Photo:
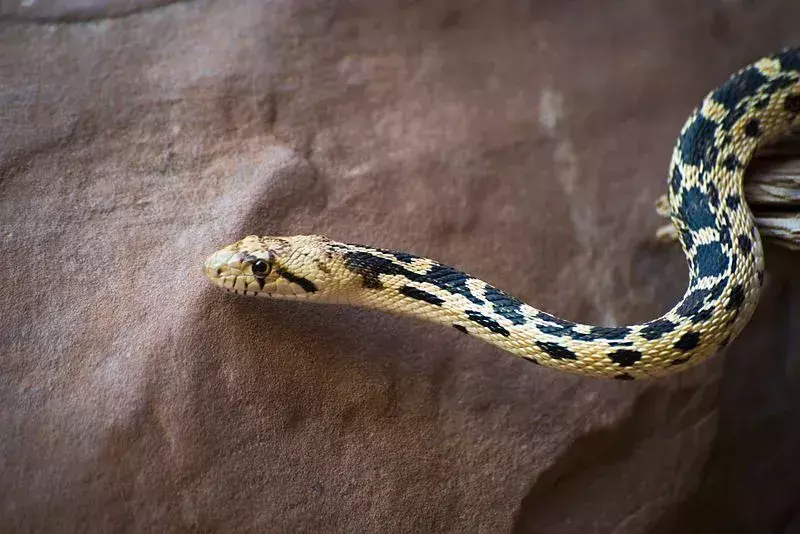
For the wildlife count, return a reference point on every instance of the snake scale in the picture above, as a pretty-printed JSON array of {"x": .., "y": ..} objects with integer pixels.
[{"x": 714, "y": 224}]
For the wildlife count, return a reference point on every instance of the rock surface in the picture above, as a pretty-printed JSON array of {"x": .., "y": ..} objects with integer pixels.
[{"x": 523, "y": 142}]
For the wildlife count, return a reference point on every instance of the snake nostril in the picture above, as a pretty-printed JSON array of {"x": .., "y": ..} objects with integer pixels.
[{"x": 219, "y": 271}]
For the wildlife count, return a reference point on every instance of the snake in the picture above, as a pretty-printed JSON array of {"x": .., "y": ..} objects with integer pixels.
[{"x": 706, "y": 206}]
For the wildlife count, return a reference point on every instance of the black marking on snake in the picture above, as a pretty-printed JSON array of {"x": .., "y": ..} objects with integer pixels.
[
  {"x": 676, "y": 180},
  {"x": 745, "y": 245},
  {"x": 736, "y": 298},
  {"x": 717, "y": 290},
  {"x": 734, "y": 262},
  {"x": 260, "y": 281},
  {"x": 370, "y": 267},
  {"x": 725, "y": 232},
  {"x": 555, "y": 320},
  {"x": 461, "y": 328},
  {"x": 688, "y": 341},
  {"x": 307, "y": 285},
  {"x": 745, "y": 84},
  {"x": 451, "y": 280},
  {"x": 697, "y": 143},
  {"x": 731, "y": 163},
  {"x": 792, "y": 104},
  {"x": 733, "y": 202},
  {"x": 560, "y": 327},
  {"x": 742, "y": 88},
  {"x": 419, "y": 294},
  {"x": 710, "y": 259},
  {"x": 505, "y": 305},
  {"x": 623, "y": 376},
  {"x": 702, "y": 315},
  {"x": 655, "y": 329},
  {"x": 487, "y": 322},
  {"x": 725, "y": 235},
  {"x": 713, "y": 194},
  {"x": 686, "y": 235},
  {"x": 752, "y": 128},
  {"x": 679, "y": 361},
  {"x": 695, "y": 211},
  {"x": 761, "y": 103},
  {"x": 693, "y": 303},
  {"x": 556, "y": 351},
  {"x": 403, "y": 257},
  {"x": 789, "y": 59},
  {"x": 625, "y": 357},
  {"x": 613, "y": 332},
  {"x": 554, "y": 325}
]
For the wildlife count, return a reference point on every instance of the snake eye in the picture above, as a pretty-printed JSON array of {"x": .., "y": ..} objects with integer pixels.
[{"x": 261, "y": 268}]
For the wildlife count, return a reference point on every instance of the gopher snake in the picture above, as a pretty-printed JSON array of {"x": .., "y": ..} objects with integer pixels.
[{"x": 706, "y": 204}]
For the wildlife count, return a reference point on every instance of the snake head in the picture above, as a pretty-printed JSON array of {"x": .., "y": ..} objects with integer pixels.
[{"x": 278, "y": 267}]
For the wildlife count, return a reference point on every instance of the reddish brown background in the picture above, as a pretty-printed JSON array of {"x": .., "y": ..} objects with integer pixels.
[{"x": 523, "y": 141}]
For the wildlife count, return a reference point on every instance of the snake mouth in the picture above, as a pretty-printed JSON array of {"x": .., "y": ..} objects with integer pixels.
[{"x": 249, "y": 285}]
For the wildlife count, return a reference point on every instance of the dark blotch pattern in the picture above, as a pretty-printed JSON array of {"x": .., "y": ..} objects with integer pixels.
[
  {"x": 460, "y": 328},
  {"x": 686, "y": 236},
  {"x": 713, "y": 194},
  {"x": 697, "y": 143},
  {"x": 731, "y": 163},
  {"x": 625, "y": 357},
  {"x": 676, "y": 180},
  {"x": 745, "y": 245},
  {"x": 792, "y": 104},
  {"x": 718, "y": 288},
  {"x": 688, "y": 341},
  {"x": 695, "y": 211},
  {"x": 733, "y": 202},
  {"x": 451, "y": 280},
  {"x": 623, "y": 376},
  {"x": 419, "y": 294},
  {"x": 679, "y": 361},
  {"x": 554, "y": 325},
  {"x": 505, "y": 305},
  {"x": 307, "y": 285},
  {"x": 752, "y": 128},
  {"x": 556, "y": 351},
  {"x": 615, "y": 332},
  {"x": 656, "y": 329},
  {"x": 693, "y": 303},
  {"x": 789, "y": 59},
  {"x": 710, "y": 259},
  {"x": 487, "y": 322},
  {"x": 746, "y": 84},
  {"x": 370, "y": 267},
  {"x": 736, "y": 299}
]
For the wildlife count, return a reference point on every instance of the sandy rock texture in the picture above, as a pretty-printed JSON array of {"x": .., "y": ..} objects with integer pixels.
[{"x": 525, "y": 142}]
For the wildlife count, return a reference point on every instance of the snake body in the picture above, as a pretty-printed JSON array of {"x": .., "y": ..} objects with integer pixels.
[{"x": 715, "y": 228}]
